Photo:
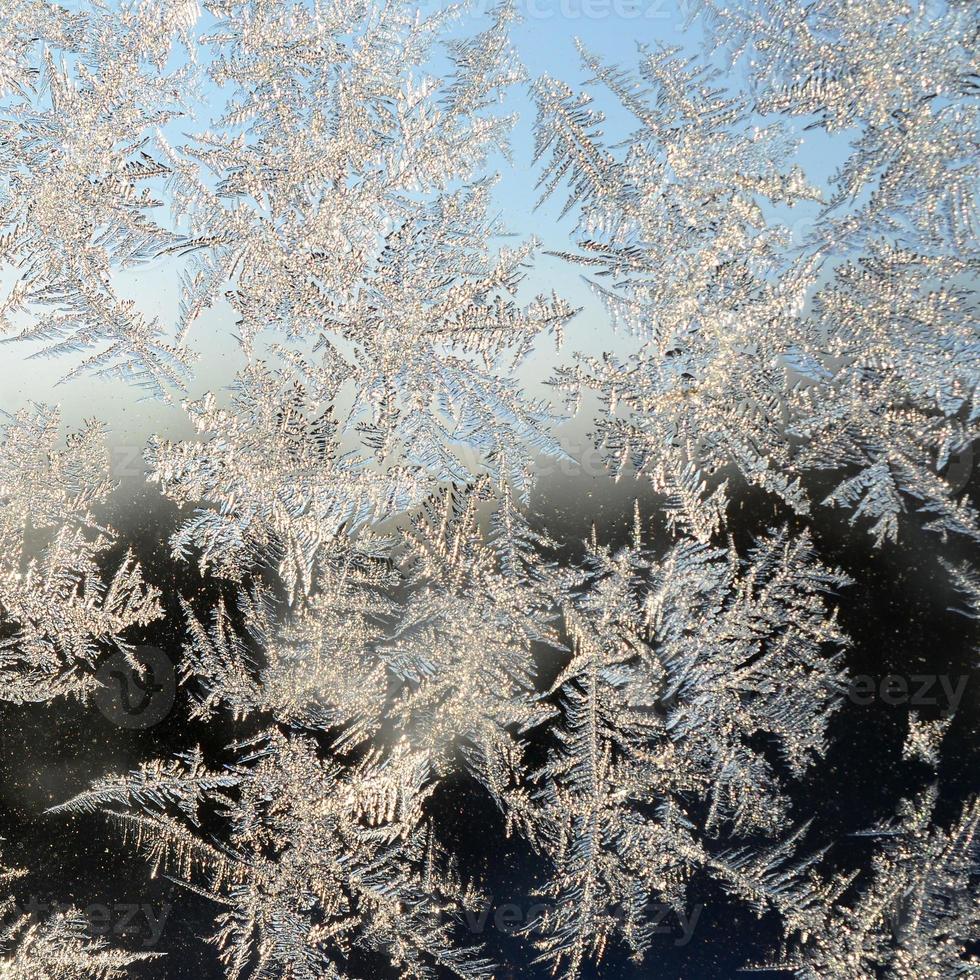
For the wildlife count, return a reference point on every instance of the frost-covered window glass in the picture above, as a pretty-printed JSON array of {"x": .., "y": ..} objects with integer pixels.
[{"x": 486, "y": 489}]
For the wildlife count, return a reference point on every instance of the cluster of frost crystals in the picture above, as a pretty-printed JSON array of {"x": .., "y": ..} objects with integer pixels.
[
  {"x": 344, "y": 194},
  {"x": 59, "y": 947},
  {"x": 81, "y": 98},
  {"x": 914, "y": 916},
  {"x": 383, "y": 616},
  {"x": 896, "y": 317},
  {"x": 431, "y": 632},
  {"x": 322, "y": 859},
  {"x": 59, "y": 611},
  {"x": 874, "y": 309},
  {"x": 678, "y": 665},
  {"x": 676, "y": 224}
]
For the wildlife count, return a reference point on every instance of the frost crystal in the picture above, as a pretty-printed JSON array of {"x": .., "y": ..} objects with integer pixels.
[
  {"x": 86, "y": 94},
  {"x": 916, "y": 917},
  {"x": 58, "y": 611},
  {"x": 58, "y": 947},
  {"x": 321, "y": 859},
  {"x": 375, "y": 571}
]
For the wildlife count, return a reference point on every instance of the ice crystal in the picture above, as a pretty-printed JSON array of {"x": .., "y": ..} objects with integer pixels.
[
  {"x": 85, "y": 95},
  {"x": 318, "y": 666},
  {"x": 58, "y": 947},
  {"x": 463, "y": 648},
  {"x": 925, "y": 738},
  {"x": 379, "y": 601},
  {"x": 59, "y": 610},
  {"x": 676, "y": 223},
  {"x": 916, "y": 917},
  {"x": 321, "y": 859},
  {"x": 271, "y": 481}
]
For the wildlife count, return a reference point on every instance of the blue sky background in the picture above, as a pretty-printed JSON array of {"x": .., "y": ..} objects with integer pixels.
[{"x": 544, "y": 38}]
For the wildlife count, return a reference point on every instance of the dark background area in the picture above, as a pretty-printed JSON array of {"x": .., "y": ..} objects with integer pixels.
[{"x": 897, "y": 615}]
